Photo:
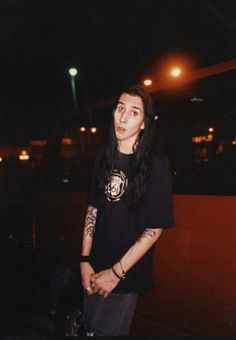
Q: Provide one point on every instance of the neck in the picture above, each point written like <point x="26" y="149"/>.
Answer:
<point x="126" y="148"/>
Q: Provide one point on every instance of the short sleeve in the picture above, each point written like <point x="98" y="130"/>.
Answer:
<point x="159" y="204"/>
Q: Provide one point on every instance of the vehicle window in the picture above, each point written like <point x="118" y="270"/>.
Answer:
<point x="199" y="135"/>
<point x="203" y="161"/>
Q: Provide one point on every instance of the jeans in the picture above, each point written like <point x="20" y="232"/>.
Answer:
<point x="109" y="316"/>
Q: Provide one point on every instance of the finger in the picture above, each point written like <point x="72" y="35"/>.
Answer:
<point x="92" y="285"/>
<point x="93" y="274"/>
<point x="93" y="278"/>
<point x="89" y="290"/>
<point x="105" y="295"/>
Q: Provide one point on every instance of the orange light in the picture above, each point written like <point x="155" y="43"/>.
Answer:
<point x="38" y="142"/>
<point x="67" y="141"/>
<point x="24" y="156"/>
<point x="93" y="129"/>
<point x="176" y="72"/>
<point x="200" y="139"/>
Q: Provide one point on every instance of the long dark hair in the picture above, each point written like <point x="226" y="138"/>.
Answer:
<point x="142" y="151"/>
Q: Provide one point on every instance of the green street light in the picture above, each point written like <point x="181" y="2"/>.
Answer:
<point x="73" y="73"/>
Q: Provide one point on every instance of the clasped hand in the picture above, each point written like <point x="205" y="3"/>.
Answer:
<point x="103" y="282"/>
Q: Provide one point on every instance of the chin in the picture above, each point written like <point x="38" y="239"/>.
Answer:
<point x="120" y="137"/>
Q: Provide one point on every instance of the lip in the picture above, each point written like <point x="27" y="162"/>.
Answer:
<point x="120" y="129"/>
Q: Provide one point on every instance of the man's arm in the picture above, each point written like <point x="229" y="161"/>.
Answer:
<point x="89" y="229"/>
<point x="108" y="279"/>
<point x="138" y="250"/>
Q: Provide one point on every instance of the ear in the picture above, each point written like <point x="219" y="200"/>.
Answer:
<point x="142" y="126"/>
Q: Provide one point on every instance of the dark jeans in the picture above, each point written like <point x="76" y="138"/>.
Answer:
<point x="109" y="316"/>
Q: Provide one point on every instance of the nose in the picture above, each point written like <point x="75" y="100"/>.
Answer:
<point x="123" y="117"/>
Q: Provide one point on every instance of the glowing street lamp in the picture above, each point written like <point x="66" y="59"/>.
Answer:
<point x="73" y="73"/>
<point x="176" y="72"/>
<point x="147" y="82"/>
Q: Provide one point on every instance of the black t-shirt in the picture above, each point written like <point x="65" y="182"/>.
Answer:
<point x="117" y="227"/>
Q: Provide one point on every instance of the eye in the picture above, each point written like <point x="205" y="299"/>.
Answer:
<point x="135" y="113"/>
<point x="120" y="108"/>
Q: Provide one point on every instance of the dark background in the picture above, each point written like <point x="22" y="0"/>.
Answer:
<point x="112" y="43"/>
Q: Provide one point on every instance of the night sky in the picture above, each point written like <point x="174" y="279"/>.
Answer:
<point x="112" y="43"/>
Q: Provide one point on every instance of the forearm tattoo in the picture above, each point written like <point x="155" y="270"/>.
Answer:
<point x="90" y="221"/>
<point x="148" y="233"/>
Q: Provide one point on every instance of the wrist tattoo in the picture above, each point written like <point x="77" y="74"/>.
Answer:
<point x="90" y="221"/>
<point x="148" y="233"/>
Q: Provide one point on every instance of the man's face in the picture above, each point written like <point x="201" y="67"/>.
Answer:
<point x="128" y="118"/>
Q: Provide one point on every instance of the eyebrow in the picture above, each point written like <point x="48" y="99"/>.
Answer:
<point x="135" y="107"/>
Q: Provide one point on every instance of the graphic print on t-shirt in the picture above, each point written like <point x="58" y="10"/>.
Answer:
<point x="115" y="186"/>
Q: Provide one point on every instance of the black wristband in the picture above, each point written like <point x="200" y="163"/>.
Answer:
<point x="84" y="258"/>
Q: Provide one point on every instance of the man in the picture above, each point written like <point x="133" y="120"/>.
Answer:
<point x="130" y="202"/>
